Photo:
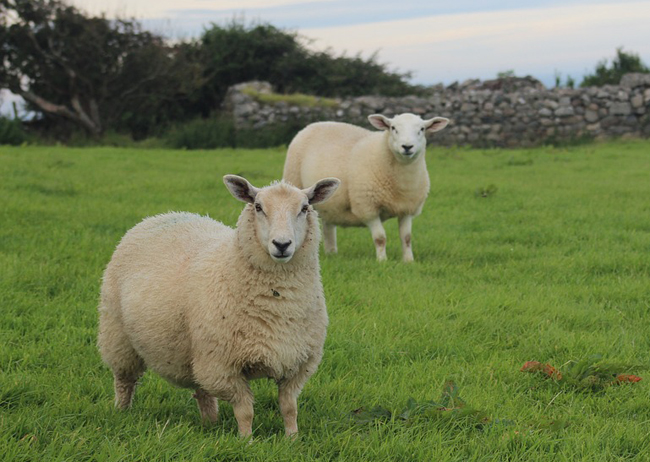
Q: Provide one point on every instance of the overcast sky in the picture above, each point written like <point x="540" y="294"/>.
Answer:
<point x="436" y="41"/>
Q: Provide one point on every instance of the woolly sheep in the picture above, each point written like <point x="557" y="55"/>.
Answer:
<point x="209" y="307"/>
<point x="383" y="174"/>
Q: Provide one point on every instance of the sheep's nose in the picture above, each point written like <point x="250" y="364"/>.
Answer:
<point x="407" y="147"/>
<point x="281" y="246"/>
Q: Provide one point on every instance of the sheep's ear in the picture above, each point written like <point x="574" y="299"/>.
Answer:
<point x="240" y="188"/>
<point x="322" y="190"/>
<point x="379" y="121"/>
<point x="435" y="124"/>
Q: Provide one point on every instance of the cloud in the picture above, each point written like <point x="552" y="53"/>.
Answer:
<point x="482" y="44"/>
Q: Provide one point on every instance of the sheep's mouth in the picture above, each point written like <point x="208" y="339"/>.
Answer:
<point x="281" y="257"/>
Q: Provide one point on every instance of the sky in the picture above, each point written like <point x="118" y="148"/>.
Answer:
<point x="438" y="42"/>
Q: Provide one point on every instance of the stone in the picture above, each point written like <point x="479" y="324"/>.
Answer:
<point x="620" y="108"/>
<point x="549" y="103"/>
<point x="637" y="101"/>
<point x="545" y="112"/>
<point x="591" y="116"/>
<point x="634" y="80"/>
<point x="564" y="111"/>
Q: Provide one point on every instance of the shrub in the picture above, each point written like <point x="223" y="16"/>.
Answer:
<point x="622" y="64"/>
<point x="12" y="132"/>
<point x="220" y="132"/>
<point x="213" y="132"/>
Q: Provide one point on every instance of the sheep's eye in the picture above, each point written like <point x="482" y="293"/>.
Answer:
<point x="258" y="207"/>
<point x="393" y="128"/>
<point x="422" y="129"/>
<point x="305" y="209"/>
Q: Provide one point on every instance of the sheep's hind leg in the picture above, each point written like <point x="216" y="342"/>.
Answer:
<point x="378" y="236"/>
<point x="118" y="353"/>
<point x="405" y="223"/>
<point x="208" y="406"/>
<point x="329" y="237"/>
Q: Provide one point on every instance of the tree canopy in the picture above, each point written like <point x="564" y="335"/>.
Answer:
<point x="88" y="70"/>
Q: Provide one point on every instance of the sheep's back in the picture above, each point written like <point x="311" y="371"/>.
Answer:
<point x="327" y="149"/>
<point x="149" y="280"/>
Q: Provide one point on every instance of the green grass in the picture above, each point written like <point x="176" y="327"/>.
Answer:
<point x="521" y="255"/>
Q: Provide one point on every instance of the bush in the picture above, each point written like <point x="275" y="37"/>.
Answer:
<point x="622" y="64"/>
<point x="214" y="132"/>
<point x="220" y="132"/>
<point x="12" y="132"/>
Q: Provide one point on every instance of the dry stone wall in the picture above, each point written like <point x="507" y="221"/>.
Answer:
<point x="506" y="112"/>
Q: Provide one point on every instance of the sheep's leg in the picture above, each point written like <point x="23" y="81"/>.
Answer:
<point x="117" y="352"/>
<point x="379" y="237"/>
<point x="405" y="223"/>
<point x="208" y="406"/>
<point x="329" y="237"/>
<point x="288" y="398"/>
<point x="288" y="391"/>
<point x="242" y="405"/>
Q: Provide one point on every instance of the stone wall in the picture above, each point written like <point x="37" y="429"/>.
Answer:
<point x="505" y="112"/>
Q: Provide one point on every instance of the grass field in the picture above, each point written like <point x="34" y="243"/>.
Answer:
<point x="552" y="265"/>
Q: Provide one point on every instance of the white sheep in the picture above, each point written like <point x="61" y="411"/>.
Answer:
<point x="209" y="307"/>
<point x="383" y="174"/>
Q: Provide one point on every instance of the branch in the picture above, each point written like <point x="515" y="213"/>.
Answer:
<point x="60" y="110"/>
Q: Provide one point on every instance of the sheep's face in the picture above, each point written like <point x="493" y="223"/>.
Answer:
<point x="281" y="212"/>
<point x="407" y="133"/>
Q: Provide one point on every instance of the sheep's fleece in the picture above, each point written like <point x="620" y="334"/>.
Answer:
<point x="209" y="307"/>
<point x="383" y="174"/>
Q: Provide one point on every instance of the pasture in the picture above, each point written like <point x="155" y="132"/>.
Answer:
<point x="540" y="254"/>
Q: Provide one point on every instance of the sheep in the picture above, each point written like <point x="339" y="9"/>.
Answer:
<point x="383" y="174"/>
<point x="210" y="308"/>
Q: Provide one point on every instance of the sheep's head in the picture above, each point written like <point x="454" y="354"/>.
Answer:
<point x="407" y="133"/>
<point x="280" y="212"/>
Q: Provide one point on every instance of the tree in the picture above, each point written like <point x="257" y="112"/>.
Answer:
<point x="236" y="53"/>
<point x="88" y="70"/>
<point x="622" y="64"/>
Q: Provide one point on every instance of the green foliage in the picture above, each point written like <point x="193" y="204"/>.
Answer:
<point x="12" y="132"/>
<point x="554" y="266"/>
<point x="450" y="410"/>
<point x="236" y="53"/>
<point x="623" y="63"/>
<point x="218" y="132"/>
<point x="506" y="74"/>
<point x="94" y="72"/>
<point x="207" y="133"/>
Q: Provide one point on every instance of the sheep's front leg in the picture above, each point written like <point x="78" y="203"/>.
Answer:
<point x="242" y="406"/>
<point x="329" y="237"/>
<point x="288" y="398"/>
<point x="378" y="236"/>
<point x="288" y="391"/>
<point x="405" y="223"/>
